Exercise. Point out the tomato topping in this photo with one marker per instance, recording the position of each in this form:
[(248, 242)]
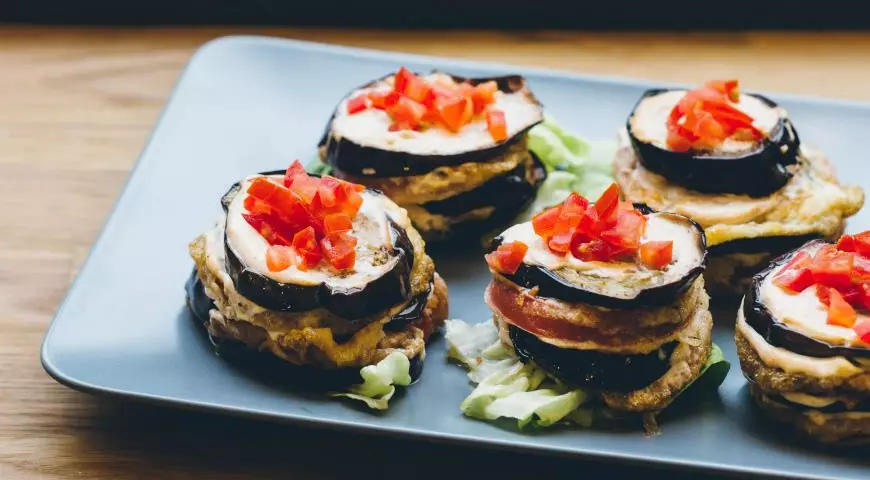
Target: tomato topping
[(301, 214), (658, 254), (706, 116), (336, 223), (795, 275), (415, 103), (358, 104), (495, 123), (278, 257), (507, 258), (403, 77), (840, 313), (339, 249), (544, 223), (832, 268), (607, 202), (626, 233), (570, 214), (862, 329)]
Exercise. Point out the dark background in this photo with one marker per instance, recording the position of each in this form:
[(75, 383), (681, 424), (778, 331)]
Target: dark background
[(585, 14)]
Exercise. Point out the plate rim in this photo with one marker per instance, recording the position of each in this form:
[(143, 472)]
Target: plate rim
[(56, 372)]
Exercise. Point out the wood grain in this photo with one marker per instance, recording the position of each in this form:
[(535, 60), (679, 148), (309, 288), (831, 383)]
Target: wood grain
[(75, 108)]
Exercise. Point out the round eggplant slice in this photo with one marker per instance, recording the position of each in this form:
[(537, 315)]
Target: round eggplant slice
[(381, 278), (362, 145), (269, 365), (589, 368), (617, 284), (752, 168), (762, 319)]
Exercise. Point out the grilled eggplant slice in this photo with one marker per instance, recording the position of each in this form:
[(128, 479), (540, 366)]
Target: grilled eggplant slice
[(620, 285), (752, 168), (761, 318), (361, 144), (384, 283)]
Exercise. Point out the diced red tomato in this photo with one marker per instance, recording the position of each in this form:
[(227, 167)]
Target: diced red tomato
[(418, 90), (570, 214), (270, 228), (730, 88), (255, 206), (339, 250), (795, 275), (336, 223), (407, 112), (657, 254), (607, 202), (507, 258), (598, 250), (401, 80), (305, 187), (384, 100), (862, 329), (455, 112), (278, 258), (840, 313), (859, 243), (327, 190), (483, 95), (846, 243), (832, 268), (306, 247), (296, 169), (358, 104), (590, 226), (544, 223), (627, 231), (496, 124), (823, 293)]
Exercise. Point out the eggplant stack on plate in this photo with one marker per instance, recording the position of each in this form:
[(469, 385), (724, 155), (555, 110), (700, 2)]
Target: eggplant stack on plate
[(317, 272), (608, 297), (453, 151), (803, 338), (733, 163)]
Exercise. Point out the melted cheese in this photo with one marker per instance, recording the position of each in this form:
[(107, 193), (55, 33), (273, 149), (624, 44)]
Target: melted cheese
[(370, 226), (371, 127), (808, 400), (649, 122), (791, 362), (686, 254)]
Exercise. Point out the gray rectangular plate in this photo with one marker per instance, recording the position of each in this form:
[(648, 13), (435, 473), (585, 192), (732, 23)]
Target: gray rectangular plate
[(249, 104)]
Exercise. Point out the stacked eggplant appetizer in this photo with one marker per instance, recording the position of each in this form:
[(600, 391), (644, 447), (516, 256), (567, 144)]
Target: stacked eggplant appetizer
[(606, 296), (803, 338), (453, 151), (732, 162), (317, 272)]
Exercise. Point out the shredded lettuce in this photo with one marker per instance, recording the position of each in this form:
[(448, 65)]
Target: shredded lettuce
[(507, 388), (573, 164), (380, 380)]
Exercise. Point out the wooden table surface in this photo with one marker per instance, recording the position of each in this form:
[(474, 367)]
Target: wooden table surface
[(75, 108)]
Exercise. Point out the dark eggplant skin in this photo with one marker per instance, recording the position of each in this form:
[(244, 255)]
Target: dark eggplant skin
[(411, 313), (361, 161), (759, 318), (551, 285), (267, 365), (392, 288), (774, 245), (756, 173), (507, 191), (590, 368)]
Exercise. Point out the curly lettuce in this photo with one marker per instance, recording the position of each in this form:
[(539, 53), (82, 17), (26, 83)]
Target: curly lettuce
[(508, 388), (379, 381), (573, 164)]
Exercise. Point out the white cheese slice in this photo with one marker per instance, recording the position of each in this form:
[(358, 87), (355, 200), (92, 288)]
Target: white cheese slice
[(619, 279), (370, 127), (370, 226), (649, 121)]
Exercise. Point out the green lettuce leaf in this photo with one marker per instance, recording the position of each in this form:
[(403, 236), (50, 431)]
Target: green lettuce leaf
[(380, 380), (507, 388), (573, 163), (713, 373)]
